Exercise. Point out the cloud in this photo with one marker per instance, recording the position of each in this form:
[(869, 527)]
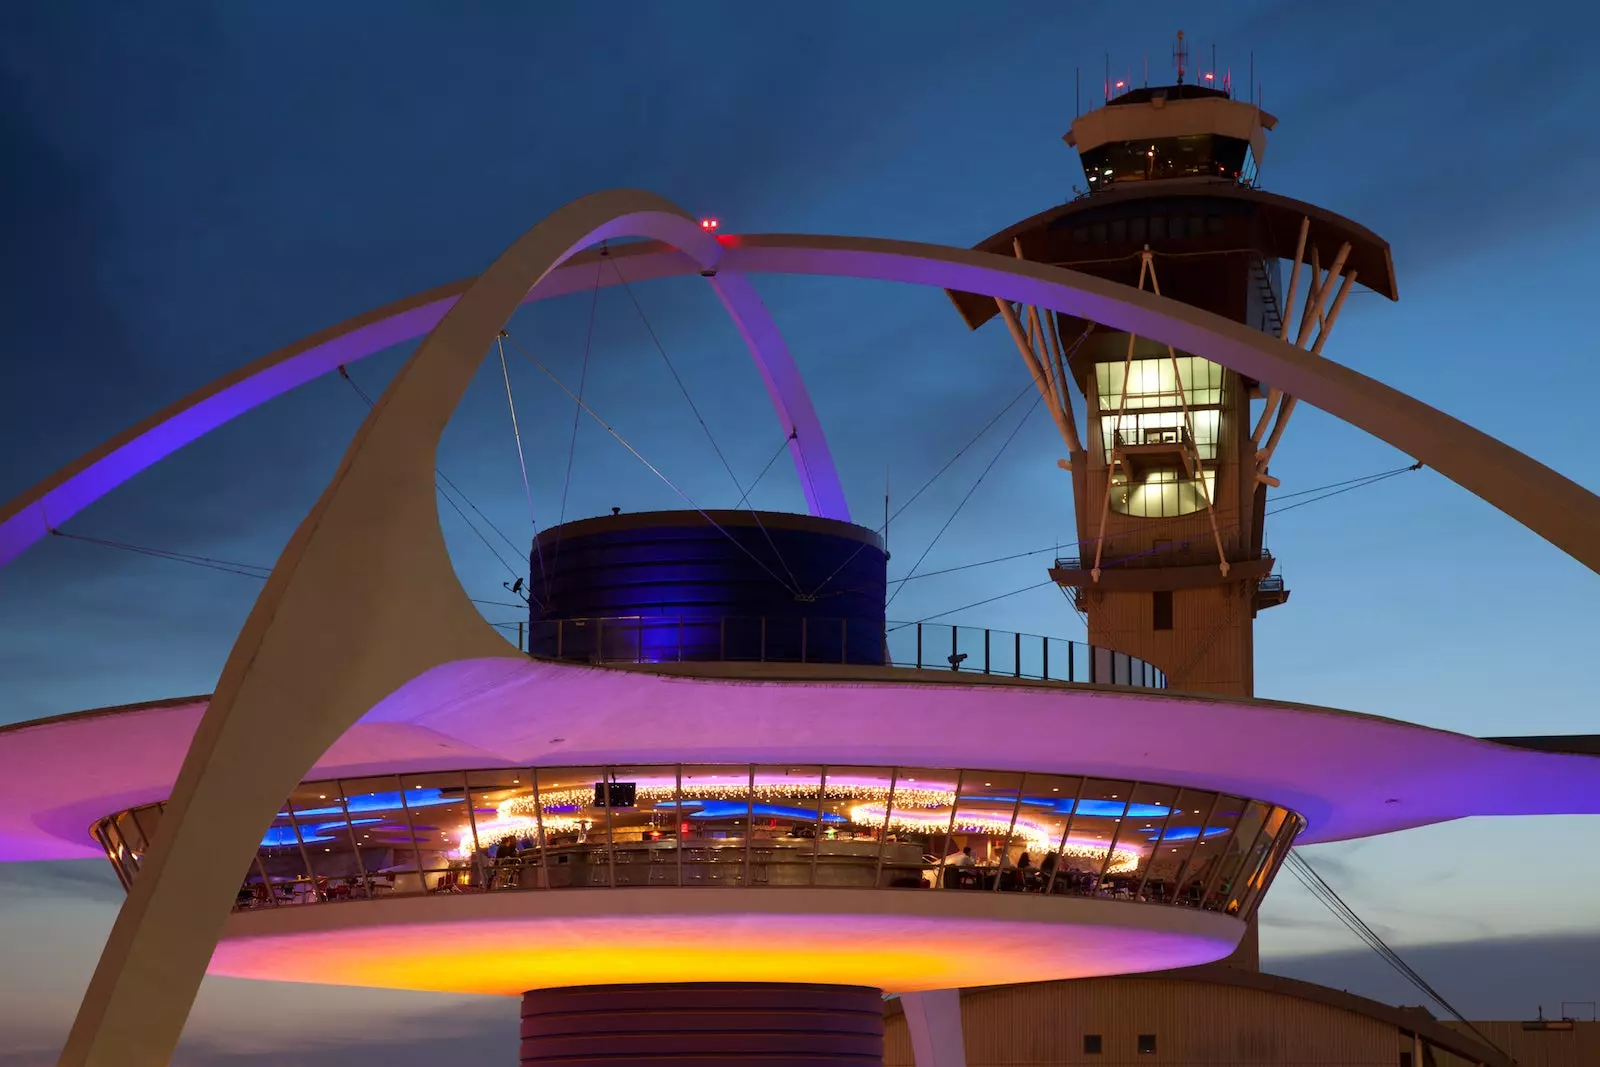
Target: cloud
[(1502, 978)]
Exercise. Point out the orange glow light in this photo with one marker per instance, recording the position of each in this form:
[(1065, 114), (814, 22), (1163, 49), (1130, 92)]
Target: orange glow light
[(373, 945)]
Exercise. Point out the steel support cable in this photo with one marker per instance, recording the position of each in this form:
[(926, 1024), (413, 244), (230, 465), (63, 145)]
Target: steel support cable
[(227, 566), (1319, 888), (670, 484), (793, 435), (522, 462), (1347, 487), (1012, 436), (974, 604), (247, 570), (440, 476), (693, 407), (1340, 487), (577, 415), (1030, 387)]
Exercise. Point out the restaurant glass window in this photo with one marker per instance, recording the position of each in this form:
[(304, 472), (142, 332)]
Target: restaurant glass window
[(317, 826), (639, 807), (378, 819), (858, 845), (1282, 826), (985, 814), (506, 824), (1234, 850), (790, 825), (1149, 808), (436, 806), (1047, 802), (1175, 845), (577, 830), (919, 828), (1089, 864), (712, 823), (1205, 862)]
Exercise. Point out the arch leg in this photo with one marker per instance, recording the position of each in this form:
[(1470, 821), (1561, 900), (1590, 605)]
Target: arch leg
[(362, 600)]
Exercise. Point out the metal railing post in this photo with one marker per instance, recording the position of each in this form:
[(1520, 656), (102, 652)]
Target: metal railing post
[(986, 650), (844, 640), (1017, 655), (680, 638), (722, 637), (763, 639), (919, 645), (955, 664), (1072, 664), (1044, 644), (560, 634), (803, 635)]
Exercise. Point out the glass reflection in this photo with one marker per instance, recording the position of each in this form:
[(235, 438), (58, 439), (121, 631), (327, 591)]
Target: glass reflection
[(759, 826)]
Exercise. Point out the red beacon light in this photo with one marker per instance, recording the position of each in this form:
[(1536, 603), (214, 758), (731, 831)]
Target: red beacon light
[(708, 224)]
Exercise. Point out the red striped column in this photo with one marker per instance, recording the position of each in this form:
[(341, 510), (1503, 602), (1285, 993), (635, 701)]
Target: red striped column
[(670, 1025)]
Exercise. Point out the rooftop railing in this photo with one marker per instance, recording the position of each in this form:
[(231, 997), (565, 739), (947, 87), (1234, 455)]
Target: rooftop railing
[(772, 639)]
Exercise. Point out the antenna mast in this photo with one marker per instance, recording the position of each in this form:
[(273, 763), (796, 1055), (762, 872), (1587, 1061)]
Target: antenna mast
[(1180, 56)]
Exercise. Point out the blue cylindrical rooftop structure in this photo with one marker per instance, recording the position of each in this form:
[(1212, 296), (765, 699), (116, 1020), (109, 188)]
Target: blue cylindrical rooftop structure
[(663, 586)]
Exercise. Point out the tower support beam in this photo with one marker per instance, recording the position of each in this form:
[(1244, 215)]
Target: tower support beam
[(934, 1022)]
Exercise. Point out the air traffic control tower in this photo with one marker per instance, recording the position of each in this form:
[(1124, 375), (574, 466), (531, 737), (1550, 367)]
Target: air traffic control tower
[(1170, 464)]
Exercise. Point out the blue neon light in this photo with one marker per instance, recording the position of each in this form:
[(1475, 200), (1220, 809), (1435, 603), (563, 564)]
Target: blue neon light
[(1112, 808), (415, 798), (732, 809), (312, 833), (1182, 833)]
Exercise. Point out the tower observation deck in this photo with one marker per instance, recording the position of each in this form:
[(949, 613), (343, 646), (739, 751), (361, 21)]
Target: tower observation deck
[(1171, 471)]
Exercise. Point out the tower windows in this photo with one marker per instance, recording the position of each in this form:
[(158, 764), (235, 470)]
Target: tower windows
[(1161, 609), (1091, 1044), (1147, 1044)]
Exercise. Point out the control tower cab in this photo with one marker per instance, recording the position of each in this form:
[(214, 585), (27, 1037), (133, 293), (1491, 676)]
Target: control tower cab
[(1170, 473), (1171, 132)]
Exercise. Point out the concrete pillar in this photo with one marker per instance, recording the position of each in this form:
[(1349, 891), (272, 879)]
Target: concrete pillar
[(934, 1022), (776, 1024)]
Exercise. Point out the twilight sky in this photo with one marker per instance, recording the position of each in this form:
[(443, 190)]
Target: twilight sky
[(195, 186)]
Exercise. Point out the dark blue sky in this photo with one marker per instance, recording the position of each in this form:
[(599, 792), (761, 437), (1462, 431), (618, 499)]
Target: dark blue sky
[(191, 187)]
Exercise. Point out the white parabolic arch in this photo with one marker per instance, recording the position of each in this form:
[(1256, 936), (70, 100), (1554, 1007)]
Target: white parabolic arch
[(364, 597)]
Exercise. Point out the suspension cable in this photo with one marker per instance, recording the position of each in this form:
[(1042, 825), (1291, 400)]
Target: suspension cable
[(226, 566), (1337, 487), (684, 389), (670, 484), (1319, 888), (974, 604), (522, 462), (794, 434), (440, 476), (1012, 436), (1351, 483), (577, 411), (1030, 387), (246, 570)]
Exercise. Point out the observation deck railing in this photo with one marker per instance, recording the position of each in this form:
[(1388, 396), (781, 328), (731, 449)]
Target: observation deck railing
[(772, 639)]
